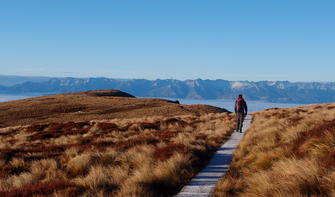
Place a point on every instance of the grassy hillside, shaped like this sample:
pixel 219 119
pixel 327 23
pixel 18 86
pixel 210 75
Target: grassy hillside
pixel 153 155
pixel 91 105
pixel 286 152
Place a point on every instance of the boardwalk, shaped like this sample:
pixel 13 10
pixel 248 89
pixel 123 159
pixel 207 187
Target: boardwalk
pixel 203 184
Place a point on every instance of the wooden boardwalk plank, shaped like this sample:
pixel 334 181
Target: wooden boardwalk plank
pixel 203 184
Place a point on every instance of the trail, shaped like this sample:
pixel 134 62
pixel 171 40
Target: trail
pixel 203 184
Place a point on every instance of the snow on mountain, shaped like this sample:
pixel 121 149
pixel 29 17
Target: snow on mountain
pixel 240 85
pixel 272 91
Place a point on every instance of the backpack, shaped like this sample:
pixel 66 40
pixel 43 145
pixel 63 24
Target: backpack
pixel 239 105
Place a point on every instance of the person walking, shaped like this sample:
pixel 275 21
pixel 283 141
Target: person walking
pixel 241 110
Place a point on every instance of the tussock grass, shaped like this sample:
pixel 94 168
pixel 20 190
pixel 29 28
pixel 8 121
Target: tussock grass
pixel 82 107
pixel 285 152
pixel 149 156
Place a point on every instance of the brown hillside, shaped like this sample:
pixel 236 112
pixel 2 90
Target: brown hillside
pixel 92 105
pixel 143 157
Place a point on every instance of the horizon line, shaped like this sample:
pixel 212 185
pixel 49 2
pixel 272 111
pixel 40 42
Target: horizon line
pixel 58 77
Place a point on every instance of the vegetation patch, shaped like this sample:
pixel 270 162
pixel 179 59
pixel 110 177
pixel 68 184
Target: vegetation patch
pixel 149 156
pixel 82 107
pixel 285 152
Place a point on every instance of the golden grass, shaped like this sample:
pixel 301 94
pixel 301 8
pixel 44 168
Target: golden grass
pixel 285 152
pixel 91 105
pixel 149 156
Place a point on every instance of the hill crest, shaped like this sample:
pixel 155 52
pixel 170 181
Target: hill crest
pixel 92 105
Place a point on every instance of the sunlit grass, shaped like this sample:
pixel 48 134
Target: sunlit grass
pixel 149 156
pixel 285 152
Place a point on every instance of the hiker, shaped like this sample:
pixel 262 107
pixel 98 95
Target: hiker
pixel 241 110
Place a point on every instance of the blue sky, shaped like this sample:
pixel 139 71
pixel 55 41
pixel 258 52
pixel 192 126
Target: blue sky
pixel 181 39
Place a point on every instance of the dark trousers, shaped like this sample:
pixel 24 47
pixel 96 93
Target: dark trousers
pixel 239 121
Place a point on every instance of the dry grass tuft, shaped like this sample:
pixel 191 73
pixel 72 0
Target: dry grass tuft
pixel 36 189
pixel 285 152
pixel 149 156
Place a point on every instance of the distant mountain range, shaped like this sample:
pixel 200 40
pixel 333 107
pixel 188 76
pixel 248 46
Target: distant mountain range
pixel 271 91
pixel 13 80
